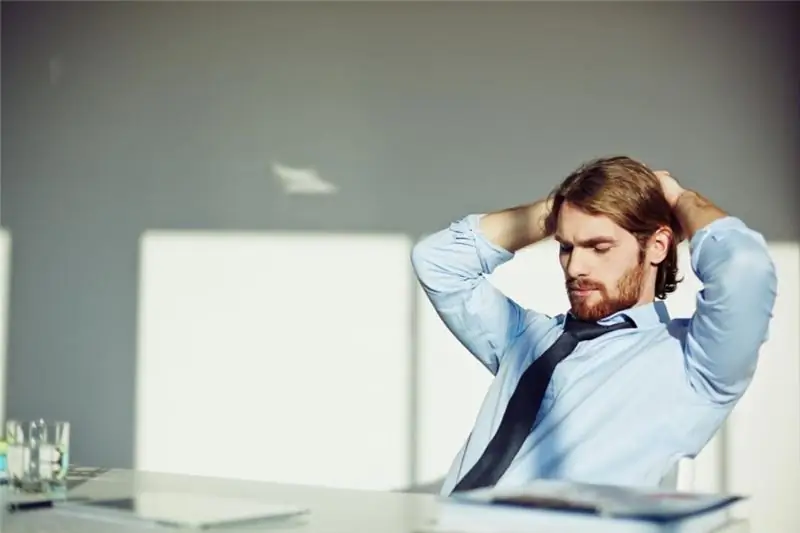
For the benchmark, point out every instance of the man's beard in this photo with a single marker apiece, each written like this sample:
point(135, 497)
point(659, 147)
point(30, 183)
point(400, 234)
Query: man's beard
point(629, 288)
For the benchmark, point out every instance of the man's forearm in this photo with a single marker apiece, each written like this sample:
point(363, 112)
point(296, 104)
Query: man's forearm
point(695, 212)
point(517, 227)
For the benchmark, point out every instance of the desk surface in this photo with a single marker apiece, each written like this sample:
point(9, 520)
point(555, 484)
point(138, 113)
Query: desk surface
point(331, 510)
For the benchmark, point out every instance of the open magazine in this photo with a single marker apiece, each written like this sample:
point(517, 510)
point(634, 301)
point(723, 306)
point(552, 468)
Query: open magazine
point(566, 506)
point(605, 500)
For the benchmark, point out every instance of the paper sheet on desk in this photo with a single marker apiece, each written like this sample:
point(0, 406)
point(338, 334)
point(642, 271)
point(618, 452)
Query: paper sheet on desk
point(603, 500)
point(734, 526)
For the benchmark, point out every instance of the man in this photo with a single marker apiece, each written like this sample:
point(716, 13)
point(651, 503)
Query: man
point(615, 391)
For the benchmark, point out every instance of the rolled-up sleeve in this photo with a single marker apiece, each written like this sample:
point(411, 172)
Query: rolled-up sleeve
point(733, 309)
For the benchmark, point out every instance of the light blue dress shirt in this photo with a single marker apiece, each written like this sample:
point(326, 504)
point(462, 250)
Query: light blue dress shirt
point(625, 407)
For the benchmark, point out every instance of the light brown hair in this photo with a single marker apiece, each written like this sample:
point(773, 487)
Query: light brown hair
point(630, 194)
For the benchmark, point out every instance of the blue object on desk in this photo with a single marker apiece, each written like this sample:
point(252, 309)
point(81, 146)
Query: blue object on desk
point(3, 464)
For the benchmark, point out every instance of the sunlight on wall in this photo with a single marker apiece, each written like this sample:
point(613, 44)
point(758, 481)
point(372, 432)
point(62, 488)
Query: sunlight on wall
point(5, 269)
point(280, 357)
point(453, 383)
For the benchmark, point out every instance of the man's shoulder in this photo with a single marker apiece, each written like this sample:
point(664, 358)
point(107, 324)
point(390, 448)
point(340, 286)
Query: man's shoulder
point(674, 329)
point(538, 324)
point(669, 336)
point(537, 327)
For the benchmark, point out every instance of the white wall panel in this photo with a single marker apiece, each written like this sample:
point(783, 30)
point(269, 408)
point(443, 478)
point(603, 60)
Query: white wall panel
point(282, 357)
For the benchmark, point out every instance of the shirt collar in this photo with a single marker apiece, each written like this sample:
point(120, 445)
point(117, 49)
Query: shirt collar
point(645, 316)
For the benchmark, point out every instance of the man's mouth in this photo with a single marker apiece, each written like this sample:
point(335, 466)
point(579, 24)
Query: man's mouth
point(581, 291)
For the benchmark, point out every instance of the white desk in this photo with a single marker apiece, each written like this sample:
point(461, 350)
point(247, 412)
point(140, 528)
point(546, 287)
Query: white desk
point(332, 510)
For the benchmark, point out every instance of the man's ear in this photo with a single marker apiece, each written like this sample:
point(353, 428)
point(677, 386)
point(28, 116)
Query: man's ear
point(678, 234)
point(658, 245)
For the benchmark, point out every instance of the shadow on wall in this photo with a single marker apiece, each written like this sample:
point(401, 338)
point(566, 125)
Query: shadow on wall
point(320, 357)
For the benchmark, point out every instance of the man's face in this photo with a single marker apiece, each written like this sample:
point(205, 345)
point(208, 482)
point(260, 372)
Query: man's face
point(603, 264)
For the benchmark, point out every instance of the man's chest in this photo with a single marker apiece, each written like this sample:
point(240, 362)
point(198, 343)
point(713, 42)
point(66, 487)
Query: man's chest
point(615, 371)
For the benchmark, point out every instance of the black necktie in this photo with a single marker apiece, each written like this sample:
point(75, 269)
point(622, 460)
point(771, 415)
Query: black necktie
point(522, 408)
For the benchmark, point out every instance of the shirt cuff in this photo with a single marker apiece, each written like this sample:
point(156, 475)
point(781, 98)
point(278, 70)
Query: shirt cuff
point(491, 254)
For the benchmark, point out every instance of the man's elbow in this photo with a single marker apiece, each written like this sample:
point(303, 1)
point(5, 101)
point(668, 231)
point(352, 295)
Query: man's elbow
point(737, 268)
point(753, 270)
point(443, 265)
point(422, 258)
point(431, 263)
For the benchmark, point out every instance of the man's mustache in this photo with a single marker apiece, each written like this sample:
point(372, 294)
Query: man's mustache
point(583, 285)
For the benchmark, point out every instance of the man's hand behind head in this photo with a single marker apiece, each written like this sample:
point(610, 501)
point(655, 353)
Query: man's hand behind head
point(670, 186)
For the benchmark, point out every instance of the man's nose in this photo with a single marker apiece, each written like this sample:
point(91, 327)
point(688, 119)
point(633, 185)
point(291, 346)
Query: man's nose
point(577, 264)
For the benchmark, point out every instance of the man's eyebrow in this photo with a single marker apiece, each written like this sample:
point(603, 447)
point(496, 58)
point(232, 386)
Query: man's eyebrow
point(594, 241)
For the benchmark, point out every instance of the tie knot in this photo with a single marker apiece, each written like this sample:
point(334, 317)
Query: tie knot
point(584, 330)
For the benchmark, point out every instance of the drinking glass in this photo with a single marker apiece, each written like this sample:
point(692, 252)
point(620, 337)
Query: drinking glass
point(38, 454)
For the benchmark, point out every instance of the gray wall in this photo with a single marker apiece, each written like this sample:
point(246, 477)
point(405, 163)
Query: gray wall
point(123, 117)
